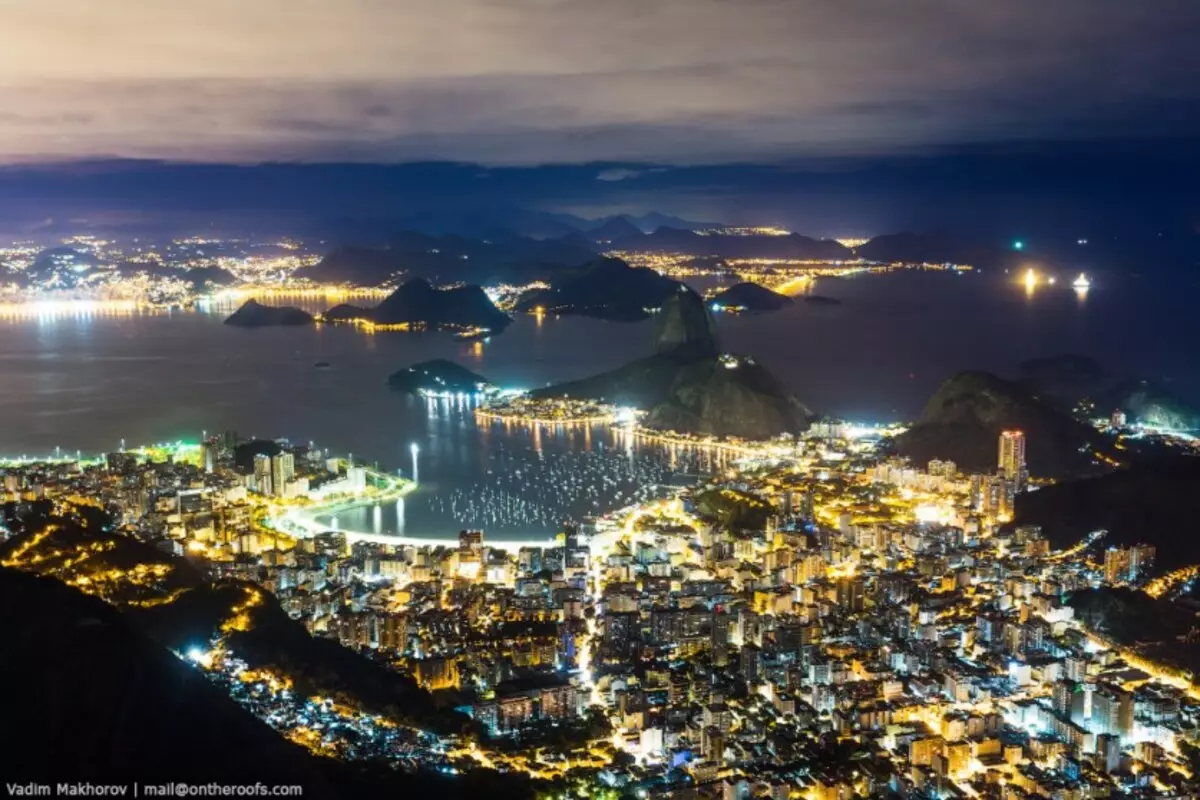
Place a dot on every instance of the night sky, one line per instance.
(837, 117)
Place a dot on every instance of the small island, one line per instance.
(418, 305)
(438, 377)
(749, 297)
(254, 314)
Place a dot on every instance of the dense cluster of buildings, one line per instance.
(115, 275)
(816, 621)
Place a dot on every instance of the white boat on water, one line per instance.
(1082, 283)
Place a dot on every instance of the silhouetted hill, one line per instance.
(751, 297)
(358, 266)
(254, 314)
(1129, 615)
(607, 288)
(686, 386)
(684, 333)
(344, 312)
(1068, 379)
(926, 248)
(641, 383)
(450, 258)
(654, 220)
(98, 699)
(181, 609)
(728, 396)
(615, 229)
(577, 239)
(963, 419)
(1152, 502)
(319, 667)
(417, 302)
(210, 276)
(1150, 403)
(1161, 629)
(438, 375)
(685, 327)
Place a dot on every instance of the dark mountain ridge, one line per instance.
(449, 258)
(1151, 502)
(687, 386)
(688, 242)
(99, 699)
(964, 417)
(605, 287)
(933, 248)
(1067, 380)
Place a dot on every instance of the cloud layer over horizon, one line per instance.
(567, 81)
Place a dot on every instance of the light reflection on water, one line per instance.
(520, 481)
(88, 380)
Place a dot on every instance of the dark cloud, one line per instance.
(528, 81)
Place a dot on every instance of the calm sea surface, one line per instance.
(86, 382)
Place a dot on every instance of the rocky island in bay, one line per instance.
(438, 376)
(419, 305)
(254, 314)
(749, 297)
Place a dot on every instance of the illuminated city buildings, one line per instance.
(1012, 458)
(815, 619)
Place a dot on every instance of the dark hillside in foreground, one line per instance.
(1154, 503)
(98, 698)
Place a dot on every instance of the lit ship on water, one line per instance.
(1082, 283)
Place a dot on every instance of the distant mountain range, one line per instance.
(688, 242)
(506, 257)
(511, 259)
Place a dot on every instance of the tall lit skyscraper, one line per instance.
(1012, 457)
(262, 473)
(283, 470)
